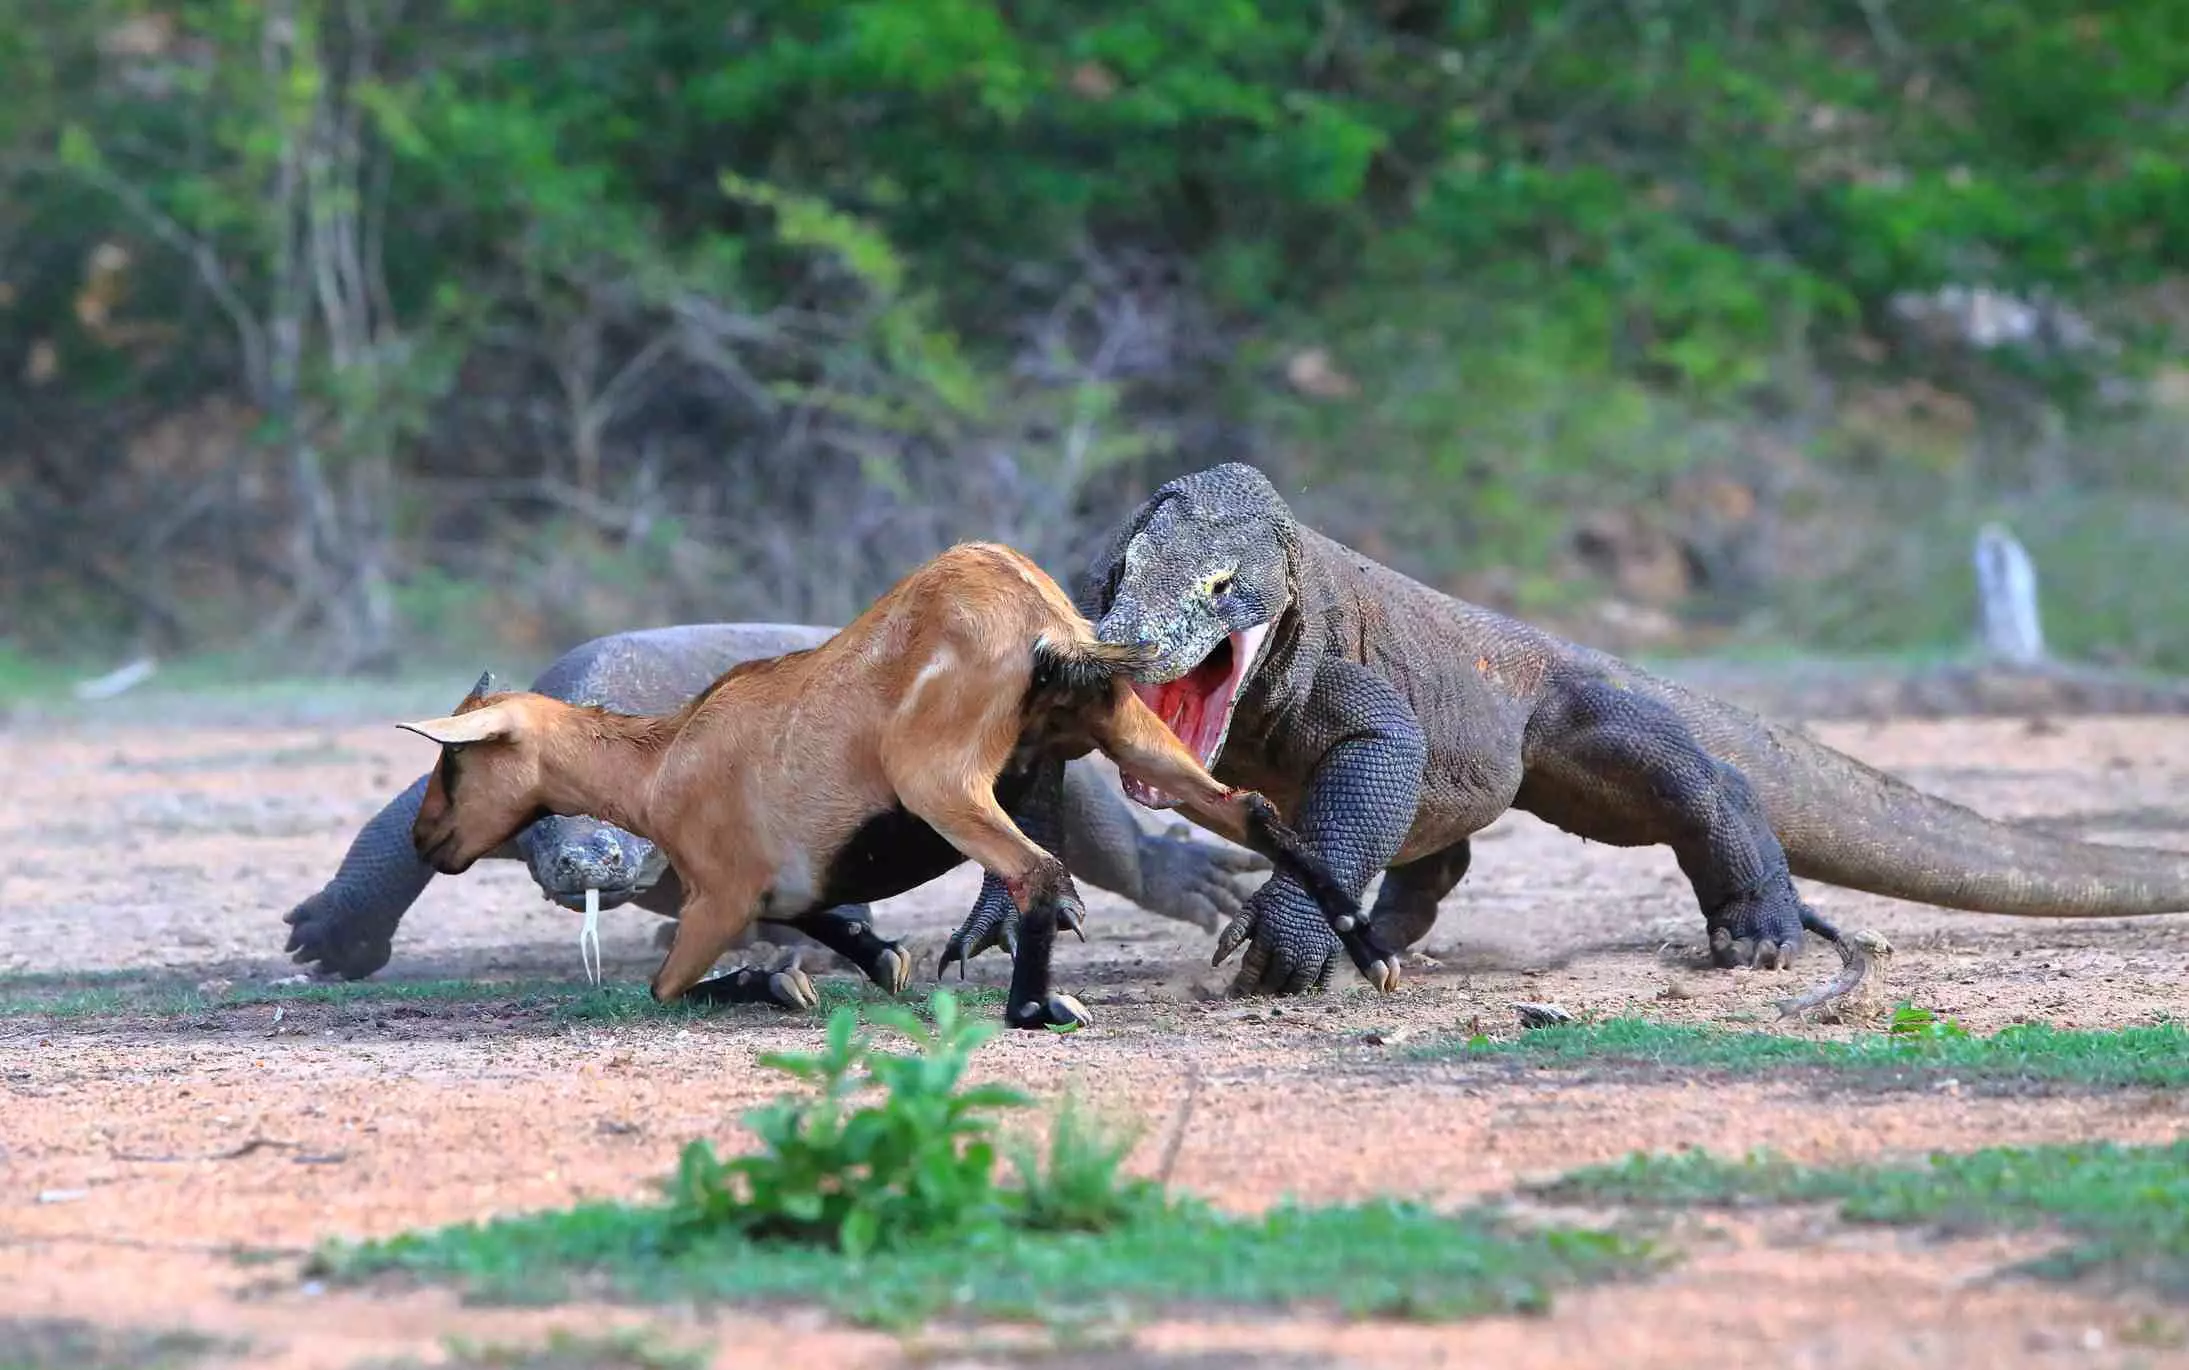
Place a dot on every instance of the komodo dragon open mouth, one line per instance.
(1197, 706)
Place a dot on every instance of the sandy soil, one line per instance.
(179, 849)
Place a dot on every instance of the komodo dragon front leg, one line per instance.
(1356, 809)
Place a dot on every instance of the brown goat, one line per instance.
(850, 772)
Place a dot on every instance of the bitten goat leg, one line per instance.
(974, 823)
(1143, 748)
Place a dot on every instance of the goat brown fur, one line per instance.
(792, 780)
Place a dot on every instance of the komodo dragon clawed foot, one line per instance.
(1762, 928)
(994, 922)
(1292, 947)
(1192, 881)
(784, 985)
(327, 935)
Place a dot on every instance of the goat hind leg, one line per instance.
(705, 929)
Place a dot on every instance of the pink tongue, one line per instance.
(1179, 705)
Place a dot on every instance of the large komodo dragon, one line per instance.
(1390, 722)
(348, 927)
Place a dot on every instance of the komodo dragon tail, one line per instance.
(1850, 825)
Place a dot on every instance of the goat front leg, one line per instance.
(995, 918)
(970, 819)
(706, 927)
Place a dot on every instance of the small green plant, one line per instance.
(1081, 1188)
(889, 1210)
(919, 1163)
(1921, 1024)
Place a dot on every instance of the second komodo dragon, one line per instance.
(348, 927)
(1390, 722)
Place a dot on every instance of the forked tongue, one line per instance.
(589, 936)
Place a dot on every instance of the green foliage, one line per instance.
(1910, 1023)
(1556, 244)
(917, 1166)
(1080, 1184)
(1380, 1259)
(1917, 1045)
(2129, 1205)
(890, 1212)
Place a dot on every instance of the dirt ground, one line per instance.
(179, 848)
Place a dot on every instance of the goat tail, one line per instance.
(1085, 666)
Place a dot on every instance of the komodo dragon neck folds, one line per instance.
(1391, 722)
(348, 927)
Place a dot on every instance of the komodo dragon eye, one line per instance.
(1220, 586)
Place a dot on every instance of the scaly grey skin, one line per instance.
(1390, 722)
(348, 927)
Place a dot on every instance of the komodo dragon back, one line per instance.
(657, 670)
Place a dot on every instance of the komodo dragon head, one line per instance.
(1201, 572)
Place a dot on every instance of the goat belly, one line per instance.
(890, 854)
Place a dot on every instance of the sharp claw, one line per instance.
(1234, 933)
(792, 989)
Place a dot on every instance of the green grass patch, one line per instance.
(561, 1351)
(73, 1344)
(1385, 1259)
(2126, 1207)
(1919, 1047)
(114, 994)
(876, 1192)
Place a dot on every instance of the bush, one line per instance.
(917, 1164)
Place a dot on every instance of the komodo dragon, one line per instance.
(1390, 723)
(348, 927)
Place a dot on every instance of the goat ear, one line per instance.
(490, 724)
(481, 690)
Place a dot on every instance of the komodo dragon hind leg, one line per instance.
(1406, 906)
(1171, 874)
(1613, 765)
(781, 984)
(849, 932)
